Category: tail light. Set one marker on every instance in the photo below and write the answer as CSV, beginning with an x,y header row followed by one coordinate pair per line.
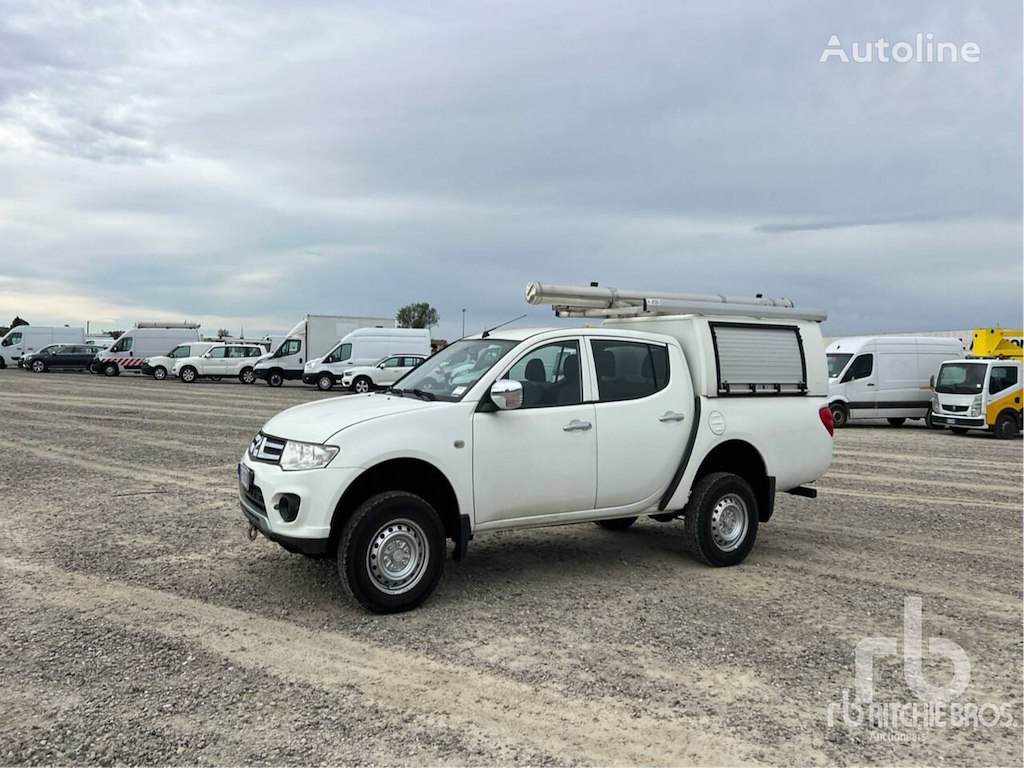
x,y
825,414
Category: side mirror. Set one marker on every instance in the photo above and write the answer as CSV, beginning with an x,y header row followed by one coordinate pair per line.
x,y
381,366
931,381
507,394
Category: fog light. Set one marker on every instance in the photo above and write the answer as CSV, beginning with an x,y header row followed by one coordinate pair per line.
x,y
288,507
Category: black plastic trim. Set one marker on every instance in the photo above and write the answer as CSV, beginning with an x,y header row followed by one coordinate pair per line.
x,y
292,544
464,537
685,460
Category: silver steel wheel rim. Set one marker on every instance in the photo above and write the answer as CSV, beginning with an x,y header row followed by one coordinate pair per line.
x,y
160,373
187,374
729,522
324,383
362,387
397,557
248,377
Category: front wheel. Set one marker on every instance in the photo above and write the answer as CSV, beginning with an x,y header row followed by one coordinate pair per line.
x,y
1006,426
159,373
392,552
38,366
110,369
275,379
840,415
362,385
188,374
325,383
896,422
720,522
247,376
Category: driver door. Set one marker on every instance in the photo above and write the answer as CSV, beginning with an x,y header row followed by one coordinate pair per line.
x,y
216,364
540,460
861,390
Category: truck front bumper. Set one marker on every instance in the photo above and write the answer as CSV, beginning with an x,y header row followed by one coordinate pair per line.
x,y
968,422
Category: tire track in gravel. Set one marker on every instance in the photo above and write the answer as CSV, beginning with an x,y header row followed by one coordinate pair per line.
x,y
491,709
896,479
930,501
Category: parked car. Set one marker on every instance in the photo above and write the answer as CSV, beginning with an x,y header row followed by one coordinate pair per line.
x,y
363,378
220,360
47,348
62,357
160,365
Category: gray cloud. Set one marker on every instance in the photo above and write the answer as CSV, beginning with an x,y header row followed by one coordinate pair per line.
x,y
258,161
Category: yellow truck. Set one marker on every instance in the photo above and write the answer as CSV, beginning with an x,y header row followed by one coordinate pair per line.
x,y
983,391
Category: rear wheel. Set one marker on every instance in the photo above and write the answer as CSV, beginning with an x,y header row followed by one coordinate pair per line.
x,y
38,366
720,520
1006,426
896,422
616,523
188,374
840,415
159,373
110,369
247,376
362,385
958,430
325,383
275,379
392,552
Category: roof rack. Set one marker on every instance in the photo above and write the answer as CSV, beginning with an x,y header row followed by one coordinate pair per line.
x,y
187,326
594,301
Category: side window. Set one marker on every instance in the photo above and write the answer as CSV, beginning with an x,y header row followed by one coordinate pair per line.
x,y
860,368
181,351
550,375
627,370
219,352
292,346
123,344
393,362
411,362
14,338
253,352
1001,378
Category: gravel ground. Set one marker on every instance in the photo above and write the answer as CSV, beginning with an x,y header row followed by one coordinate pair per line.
x,y
141,626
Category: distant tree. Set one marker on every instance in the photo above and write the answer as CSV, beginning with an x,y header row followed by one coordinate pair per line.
x,y
113,334
18,321
223,333
420,315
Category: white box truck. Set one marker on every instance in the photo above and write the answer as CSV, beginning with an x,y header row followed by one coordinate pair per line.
x,y
26,339
365,346
885,377
130,350
693,407
312,337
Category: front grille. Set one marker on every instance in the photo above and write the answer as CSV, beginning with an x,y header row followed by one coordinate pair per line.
x,y
266,448
955,408
255,498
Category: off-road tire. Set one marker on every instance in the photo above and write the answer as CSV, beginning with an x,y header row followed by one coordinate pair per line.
x,y
716,499
383,531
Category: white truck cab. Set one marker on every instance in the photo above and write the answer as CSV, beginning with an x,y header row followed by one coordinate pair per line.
x,y
700,409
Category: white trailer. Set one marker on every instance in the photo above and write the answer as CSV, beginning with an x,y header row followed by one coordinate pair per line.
x,y
26,339
312,337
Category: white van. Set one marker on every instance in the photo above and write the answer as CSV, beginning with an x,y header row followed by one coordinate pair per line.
x,y
365,346
160,365
885,377
26,339
145,340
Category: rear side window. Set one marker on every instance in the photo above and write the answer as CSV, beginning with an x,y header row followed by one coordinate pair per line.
x,y
628,370
759,359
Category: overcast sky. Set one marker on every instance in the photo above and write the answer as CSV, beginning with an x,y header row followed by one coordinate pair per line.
x,y
243,164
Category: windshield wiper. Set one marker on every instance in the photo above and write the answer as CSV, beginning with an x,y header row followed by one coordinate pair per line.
x,y
394,391
423,394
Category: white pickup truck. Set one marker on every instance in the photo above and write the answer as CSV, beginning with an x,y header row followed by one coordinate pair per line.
x,y
701,409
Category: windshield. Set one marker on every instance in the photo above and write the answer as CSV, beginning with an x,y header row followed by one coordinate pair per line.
x,y
450,373
836,363
961,378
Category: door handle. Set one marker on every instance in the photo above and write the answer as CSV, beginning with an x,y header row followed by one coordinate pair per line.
x,y
577,426
870,384
671,416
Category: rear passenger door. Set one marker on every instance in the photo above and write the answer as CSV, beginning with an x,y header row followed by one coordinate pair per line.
x,y
643,418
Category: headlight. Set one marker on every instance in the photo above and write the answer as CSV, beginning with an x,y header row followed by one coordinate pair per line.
x,y
976,406
935,404
306,456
